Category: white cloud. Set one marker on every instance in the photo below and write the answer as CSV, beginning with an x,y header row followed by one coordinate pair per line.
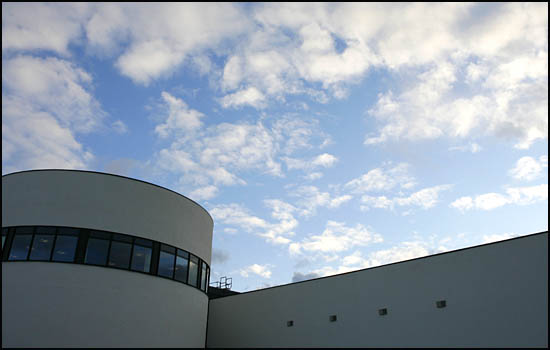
x,y
273,232
157,38
425,198
514,195
463,203
250,96
498,237
216,155
235,214
180,118
47,26
260,270
205,192
336,237
310,198
45,104
528,168
489,201
382,179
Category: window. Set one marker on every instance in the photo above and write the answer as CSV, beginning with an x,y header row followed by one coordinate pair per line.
x,y
42,243
141,257
382,312
332,318
182,265
21,243
121,249
101,248
97,249
4,235
289,323
203,276
65,244
441,304
193,270
166,261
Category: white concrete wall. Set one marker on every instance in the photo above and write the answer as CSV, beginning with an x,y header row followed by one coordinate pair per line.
x,y
497,296
68,305
106,202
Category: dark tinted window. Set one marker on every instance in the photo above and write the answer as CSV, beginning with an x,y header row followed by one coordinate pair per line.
x,y
141,258
193,270
120,254
96,251
100,234
47,230
166,261
41,247
143,242
182,262
67,231
203,276
122,238
20,247
24,229
4,234
65,247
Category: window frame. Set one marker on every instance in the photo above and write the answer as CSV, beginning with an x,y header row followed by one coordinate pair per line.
x,y
83,237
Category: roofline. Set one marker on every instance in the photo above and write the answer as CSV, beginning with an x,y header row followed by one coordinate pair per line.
x,y
380,266
121,176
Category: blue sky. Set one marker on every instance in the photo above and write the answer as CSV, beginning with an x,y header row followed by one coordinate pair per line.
x,y
322,138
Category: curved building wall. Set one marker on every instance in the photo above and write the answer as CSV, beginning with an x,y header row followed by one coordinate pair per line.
x,y
68,305
73,304
106,202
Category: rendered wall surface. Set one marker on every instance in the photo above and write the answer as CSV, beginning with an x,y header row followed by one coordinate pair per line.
x,y
106,202
50,304
67,305
496,295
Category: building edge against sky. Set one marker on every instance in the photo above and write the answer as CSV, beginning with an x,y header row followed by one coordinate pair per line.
x,y
138,229
493,295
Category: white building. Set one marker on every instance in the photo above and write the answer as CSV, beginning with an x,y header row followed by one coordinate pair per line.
x,y
99,260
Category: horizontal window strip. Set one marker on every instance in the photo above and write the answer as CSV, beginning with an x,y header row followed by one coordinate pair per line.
x,y
105,249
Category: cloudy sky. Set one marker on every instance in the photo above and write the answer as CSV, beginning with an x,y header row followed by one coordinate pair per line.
x,y
322,138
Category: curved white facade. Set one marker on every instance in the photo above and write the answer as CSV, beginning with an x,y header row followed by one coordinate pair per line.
x,y
106,202
56,304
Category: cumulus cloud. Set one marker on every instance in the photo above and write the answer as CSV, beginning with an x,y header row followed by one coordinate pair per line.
x,y
205,158
336,237
46,26
45,104
259,270
310,198
250,96
529,168
384,178
513,195
425,198
310,166
159,37
276,232
181,119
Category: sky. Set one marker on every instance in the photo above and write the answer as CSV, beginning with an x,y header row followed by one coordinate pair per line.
x,y
322,138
